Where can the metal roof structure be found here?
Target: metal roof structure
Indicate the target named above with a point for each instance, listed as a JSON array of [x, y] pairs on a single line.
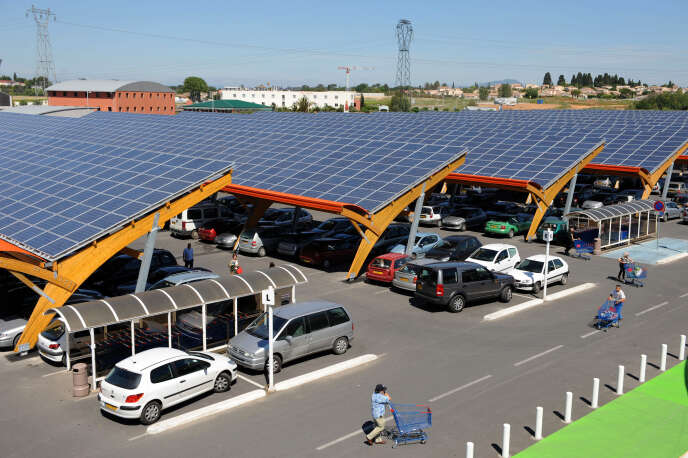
[[95, 314], [108, 86], [614, 211], [47, 110], [219, 105]]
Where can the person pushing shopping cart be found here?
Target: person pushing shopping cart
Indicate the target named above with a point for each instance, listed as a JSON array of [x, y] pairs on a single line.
[[379, 401]]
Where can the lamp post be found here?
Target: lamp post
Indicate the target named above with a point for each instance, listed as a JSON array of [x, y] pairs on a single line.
[[548, 236]]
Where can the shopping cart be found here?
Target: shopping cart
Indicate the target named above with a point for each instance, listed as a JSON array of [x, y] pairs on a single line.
[[411, 419], [635, 274], [583, 249], [608, 315]]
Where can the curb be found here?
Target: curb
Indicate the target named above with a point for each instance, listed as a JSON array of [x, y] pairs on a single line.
[[672, 258], [535, 302], [324, 372]]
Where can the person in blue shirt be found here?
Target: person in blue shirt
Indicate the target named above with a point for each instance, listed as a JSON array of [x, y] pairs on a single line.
[[379, 400], [188, 256]]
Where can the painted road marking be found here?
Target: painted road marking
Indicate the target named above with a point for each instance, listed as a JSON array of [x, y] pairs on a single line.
[[585, 336], [684, 295], [381, 291], [63, 371], [654, 307], [343, 438], [250, 381], [569, 291], [513, 309], [522, 295], [324, 372], [538, 355], [138, 437], [455, 390]]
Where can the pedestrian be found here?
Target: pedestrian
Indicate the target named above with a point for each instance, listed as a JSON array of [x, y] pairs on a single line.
[[623, 260], [188, 256], [569, 241], [234, 264], [619, 298], [379, 400]]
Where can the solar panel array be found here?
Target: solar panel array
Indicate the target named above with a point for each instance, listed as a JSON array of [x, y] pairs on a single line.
[[60, 192]]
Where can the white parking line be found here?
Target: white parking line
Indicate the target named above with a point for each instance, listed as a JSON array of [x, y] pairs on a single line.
[[585, 336], [684, 295], [522, 295], [250, 381], [654, 307], [538, 355], [137, 437], [381, 291], [63, 371], [343, 438], [456, 390]]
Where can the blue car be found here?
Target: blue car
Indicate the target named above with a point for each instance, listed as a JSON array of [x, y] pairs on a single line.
[[425, 241]]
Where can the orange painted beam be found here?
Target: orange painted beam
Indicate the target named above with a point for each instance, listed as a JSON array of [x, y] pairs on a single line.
[[615, 169], [7, 246], [510, 183]]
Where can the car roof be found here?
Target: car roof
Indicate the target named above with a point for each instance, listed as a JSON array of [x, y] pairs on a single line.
[[424, 261], [301, 308], [459, 237], [457, 264], [392, 256], [185, 277], [141, 361], [541, 257], [424, 234], [497, 246]]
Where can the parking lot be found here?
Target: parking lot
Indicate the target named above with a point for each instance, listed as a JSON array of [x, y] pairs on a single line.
[[465, 368]]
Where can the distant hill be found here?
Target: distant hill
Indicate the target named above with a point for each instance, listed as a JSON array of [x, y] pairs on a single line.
[[504, 81]]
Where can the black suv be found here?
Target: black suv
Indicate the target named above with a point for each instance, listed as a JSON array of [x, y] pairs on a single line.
[[455, 248], [453, 284]]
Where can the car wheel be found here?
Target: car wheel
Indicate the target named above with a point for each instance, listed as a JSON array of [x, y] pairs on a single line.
[[506, 294], [439, 223], [340, 346], [327, 264], [665, 218], [463, 227], [456, 304], [276, 364], [564, 279], [15, 341], [536, 288], [261, 252], [511, 233], [222, 383], [151, 413], [194, 234]]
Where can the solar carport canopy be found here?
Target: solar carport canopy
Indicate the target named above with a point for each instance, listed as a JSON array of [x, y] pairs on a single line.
[[613, 211], [95, 314]]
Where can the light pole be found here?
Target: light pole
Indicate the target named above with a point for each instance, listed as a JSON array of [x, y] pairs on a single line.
[[269, 300], [548, 236]]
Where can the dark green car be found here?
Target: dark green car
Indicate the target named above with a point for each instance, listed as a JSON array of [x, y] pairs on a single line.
[[509, 226], [559, 227]]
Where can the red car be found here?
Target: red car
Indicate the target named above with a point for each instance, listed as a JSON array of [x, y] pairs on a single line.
[[213, 228], [331, 251], [383, 267]]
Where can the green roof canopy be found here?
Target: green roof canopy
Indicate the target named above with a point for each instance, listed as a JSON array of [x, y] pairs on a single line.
[[227, 105]]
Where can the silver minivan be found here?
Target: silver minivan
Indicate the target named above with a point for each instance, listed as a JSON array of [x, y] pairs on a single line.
[[298, 329]]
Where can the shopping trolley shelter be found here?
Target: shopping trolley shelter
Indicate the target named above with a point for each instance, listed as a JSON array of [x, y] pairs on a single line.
[[78, 191]]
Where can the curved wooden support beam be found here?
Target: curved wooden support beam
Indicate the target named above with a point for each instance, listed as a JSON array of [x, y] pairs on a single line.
[[80, 265], [51, 276]]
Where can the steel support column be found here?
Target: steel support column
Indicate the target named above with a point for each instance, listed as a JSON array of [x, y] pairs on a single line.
[[414, 225], [142, 280], [569, 195], [667, 180]]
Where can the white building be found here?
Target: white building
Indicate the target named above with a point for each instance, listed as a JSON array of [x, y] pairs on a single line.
[[285, 98]]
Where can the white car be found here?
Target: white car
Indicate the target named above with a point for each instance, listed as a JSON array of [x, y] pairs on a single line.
[[432, 215], [143, 385], [497, 257], [529, 274]]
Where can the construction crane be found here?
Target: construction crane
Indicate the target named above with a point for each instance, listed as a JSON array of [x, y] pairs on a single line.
[[348, 72]]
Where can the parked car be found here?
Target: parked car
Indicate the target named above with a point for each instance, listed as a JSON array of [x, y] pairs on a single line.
[[684, 215], [187, 223], [603, 183], [676, 187], [405, 277], [261, 240], [52, 342], [215, 227], [463, 218], [636, 194], [157, 275], [143, 385], [530, 273], [12, 326], [558, 226], [425, 241], [454, 284], [299, 330], [122, 269], [599, 200], [292, 245], [515, 224], [454, 248], [284, 217], [383, 267], [671, 211], [330, 251], [431, 215], [502, 207], [496, 257], [681, 199]]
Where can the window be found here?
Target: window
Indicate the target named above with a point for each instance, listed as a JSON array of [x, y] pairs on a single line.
[[134, 108], [502, 256], [210, 213], [109, 108], [512, 252], [468, 276], [64, 94], [550, 266], [161, 374], [194, 213], [337, 316], [123, 378], [449, 276], [429, 275], [483, 274], [295, 328], [318, 321], [400, 262], [188, 366]]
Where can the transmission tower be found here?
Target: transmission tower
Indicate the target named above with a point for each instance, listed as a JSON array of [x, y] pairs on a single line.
[[45, 67], [404, 32]]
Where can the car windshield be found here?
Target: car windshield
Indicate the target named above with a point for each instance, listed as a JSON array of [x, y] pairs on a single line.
[[123, 378], [55, 331], [259, 327], [529, 265], [449, 244], [429, 275], [484, 254], [384, 263]]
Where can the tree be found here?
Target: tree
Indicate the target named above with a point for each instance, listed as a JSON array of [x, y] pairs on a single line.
[[547, 80], [14, 78], [575, 92], [362, 100], [561, 81], [531, 93], [483, 92], [302, 105], [505, 90], [399, 102], [194, 85]]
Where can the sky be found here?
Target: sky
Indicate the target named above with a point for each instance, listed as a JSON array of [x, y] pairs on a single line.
[[293, 43]]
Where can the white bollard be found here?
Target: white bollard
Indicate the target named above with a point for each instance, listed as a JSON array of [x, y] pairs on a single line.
[[682, 349], [538, 423], [643, 364], [469, 449], [595, 393], [620, 380], [569, 406], [506, 437], [662, 362]]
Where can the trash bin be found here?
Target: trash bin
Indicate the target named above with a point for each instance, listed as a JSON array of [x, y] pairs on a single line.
[[80, 386], [597, 246]]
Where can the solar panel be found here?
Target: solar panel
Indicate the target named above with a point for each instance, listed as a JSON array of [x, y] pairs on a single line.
[[61, 192]]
